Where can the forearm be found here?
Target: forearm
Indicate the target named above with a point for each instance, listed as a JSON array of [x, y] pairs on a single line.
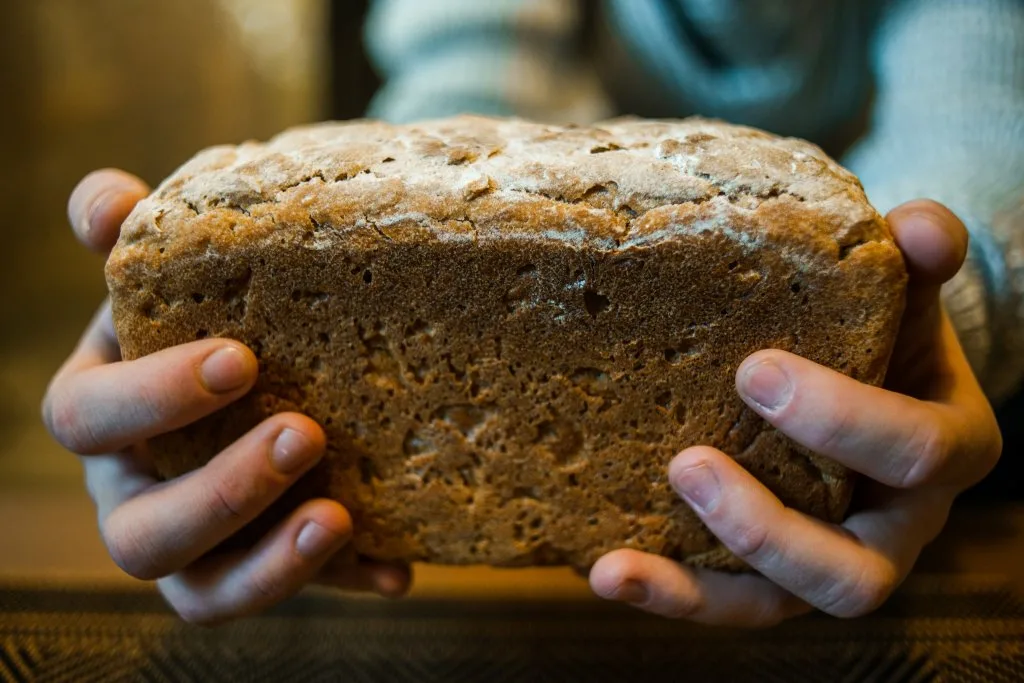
[[501, 57], [949, 126]]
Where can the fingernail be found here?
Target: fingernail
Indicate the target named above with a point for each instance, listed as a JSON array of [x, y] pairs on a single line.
[[292, 452], [90, 212], [699, 486], [314, 541], [766, 384], [225, 370], [633, 592]]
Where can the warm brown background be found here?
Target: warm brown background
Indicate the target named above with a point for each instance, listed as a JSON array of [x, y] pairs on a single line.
[[138, 85]]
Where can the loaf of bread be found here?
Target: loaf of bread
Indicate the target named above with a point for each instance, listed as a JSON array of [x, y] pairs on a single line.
[[507, 330]]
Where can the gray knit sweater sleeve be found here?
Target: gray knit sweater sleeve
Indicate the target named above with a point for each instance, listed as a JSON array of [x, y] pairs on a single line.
[[948, 125]]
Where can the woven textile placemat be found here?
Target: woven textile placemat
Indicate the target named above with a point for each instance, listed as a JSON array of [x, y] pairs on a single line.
[[934, 629]]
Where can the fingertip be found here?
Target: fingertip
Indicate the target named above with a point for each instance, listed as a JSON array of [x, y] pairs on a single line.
[[392, 581], [695, 456], [100, 203], [762, 356], [932, 238], [613, 577], [653, 583], [331, 515], [227, 367], [308, 427], [326, 528]]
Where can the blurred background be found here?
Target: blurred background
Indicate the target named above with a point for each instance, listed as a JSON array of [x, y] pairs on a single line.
[[142, 86]]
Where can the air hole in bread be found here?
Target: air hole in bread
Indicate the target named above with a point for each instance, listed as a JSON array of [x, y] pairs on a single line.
[[593, 382], [467, 475], [414, 444], [367, 276], [561, 438], [686, 347], [595, 303], [529, 492], [419, 327], [366, 473]]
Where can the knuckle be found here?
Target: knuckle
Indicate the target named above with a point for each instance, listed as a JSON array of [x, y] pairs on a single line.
[[195, 612], [266, 587], [834, 433], [750, 541], [864, 593], [129, 552], [924, 457], [156, 403], [775, 606], [228, 501], [677, 607], [66, 424]]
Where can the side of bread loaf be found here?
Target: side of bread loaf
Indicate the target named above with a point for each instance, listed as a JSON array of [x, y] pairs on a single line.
[[507, 330]]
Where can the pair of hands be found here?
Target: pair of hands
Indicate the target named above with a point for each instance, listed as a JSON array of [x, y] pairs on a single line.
[[920, 441]]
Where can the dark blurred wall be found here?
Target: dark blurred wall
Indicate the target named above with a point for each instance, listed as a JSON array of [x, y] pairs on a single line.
[[353, 81], [141, 85]]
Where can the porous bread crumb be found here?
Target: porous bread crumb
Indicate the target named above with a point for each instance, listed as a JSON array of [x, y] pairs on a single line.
[[506, 329]]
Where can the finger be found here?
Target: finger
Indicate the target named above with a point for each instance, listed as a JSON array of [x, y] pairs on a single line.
[[933, 242], [98, 346], [100, 204], [669, 589], [388, 580], [222, 587], [93, 408], [113, 478], [169, 526], [892, 517], [892, 438], [820, 563]]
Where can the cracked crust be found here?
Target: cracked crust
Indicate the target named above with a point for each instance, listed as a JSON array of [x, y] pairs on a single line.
[[506, 329]]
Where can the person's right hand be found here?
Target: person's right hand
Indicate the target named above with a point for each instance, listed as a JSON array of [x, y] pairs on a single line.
[[104, 409]]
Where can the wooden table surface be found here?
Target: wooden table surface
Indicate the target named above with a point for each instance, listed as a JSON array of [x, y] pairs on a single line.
[[49, 535]]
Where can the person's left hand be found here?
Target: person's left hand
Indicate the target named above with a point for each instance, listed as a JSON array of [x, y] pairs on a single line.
[[920, 441]]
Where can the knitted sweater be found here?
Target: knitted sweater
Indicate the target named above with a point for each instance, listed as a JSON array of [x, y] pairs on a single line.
[[942, 82]]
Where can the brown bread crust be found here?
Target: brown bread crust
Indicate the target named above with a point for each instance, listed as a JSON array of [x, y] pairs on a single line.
[[507, 330]]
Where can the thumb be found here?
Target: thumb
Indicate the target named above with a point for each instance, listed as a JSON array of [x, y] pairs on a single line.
[[934, 245], [933, 242], [100, 203]]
